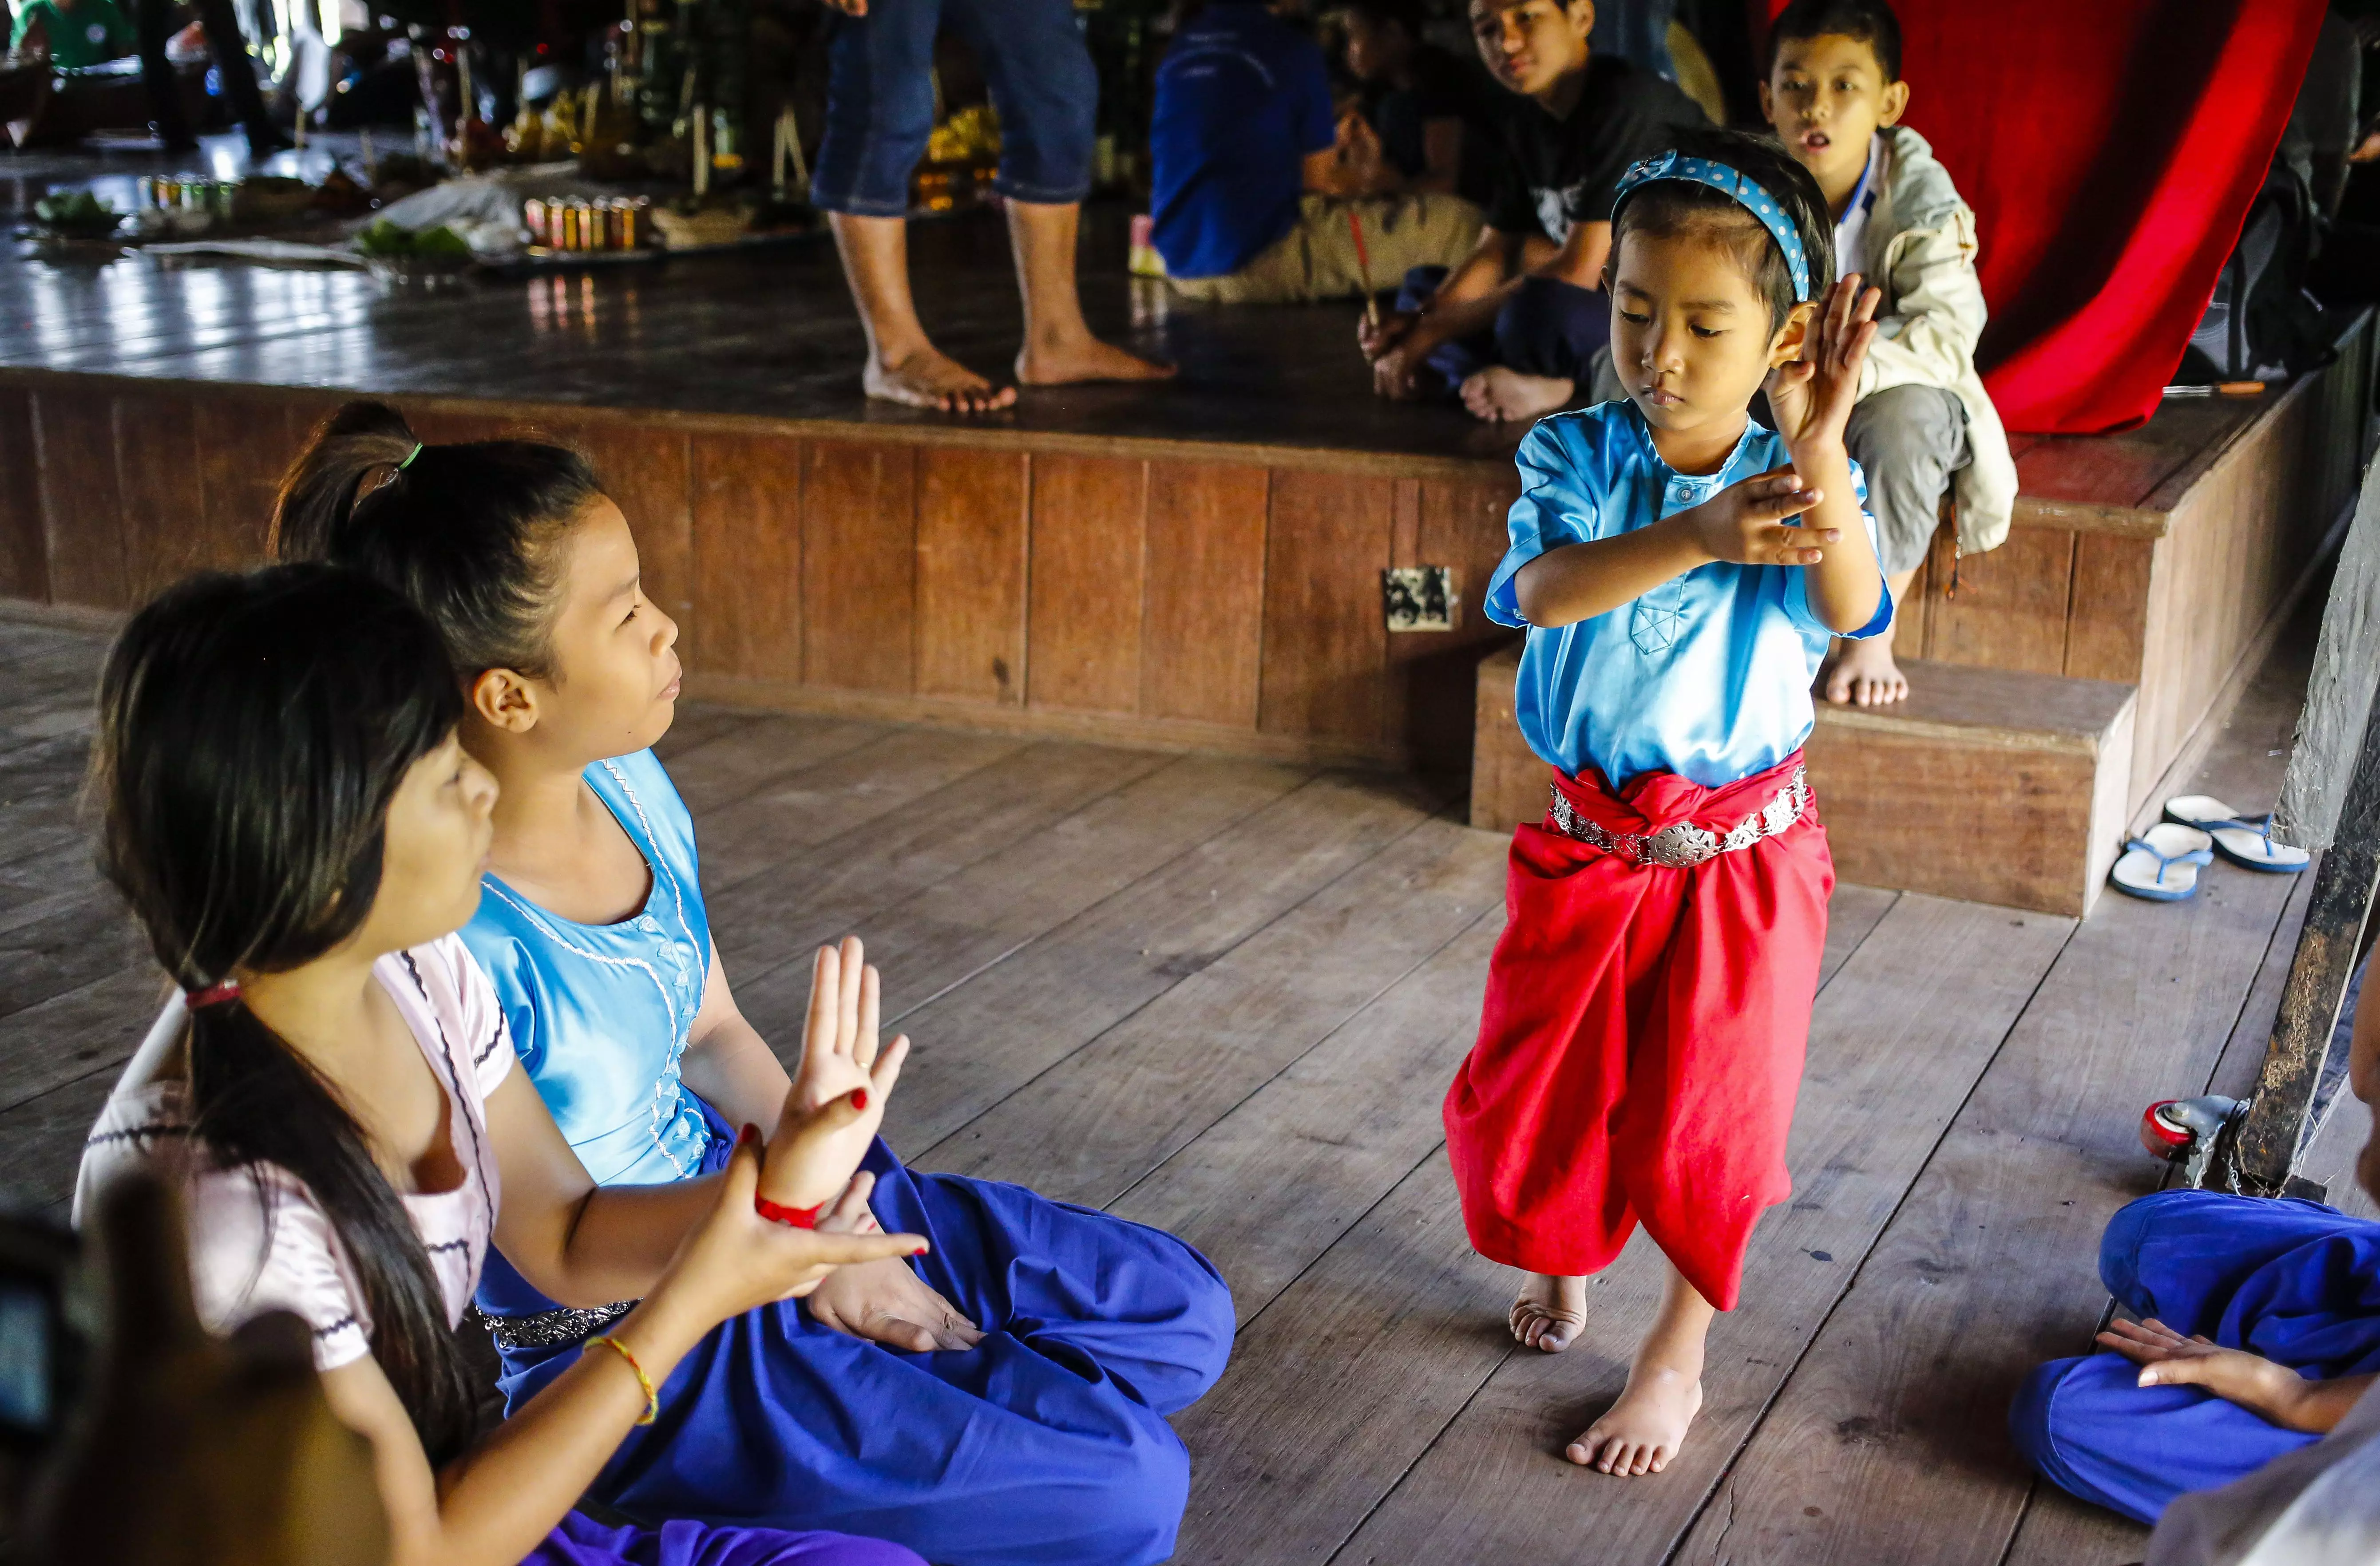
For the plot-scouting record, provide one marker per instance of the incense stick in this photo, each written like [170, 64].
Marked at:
[1363, 266]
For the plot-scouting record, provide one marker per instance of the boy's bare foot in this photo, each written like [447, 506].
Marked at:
[1646, 1427]
[1550, 1312]
[1507, 396]
[1864, 675]
[929, 378]
[1084, 359]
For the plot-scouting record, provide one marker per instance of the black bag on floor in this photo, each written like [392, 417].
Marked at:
[2262, 324]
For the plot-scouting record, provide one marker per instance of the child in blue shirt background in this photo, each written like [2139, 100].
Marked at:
[1681, 572]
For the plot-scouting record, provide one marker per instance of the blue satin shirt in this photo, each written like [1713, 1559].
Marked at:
[601, 1014]
[1708, 675]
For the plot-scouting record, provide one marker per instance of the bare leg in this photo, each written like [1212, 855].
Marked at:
[1644, 1430]
[1549, 1313]
[1059, 347]
[1864, 673]
[903, 366]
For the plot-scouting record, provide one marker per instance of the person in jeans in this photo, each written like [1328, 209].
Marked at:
[879, 111]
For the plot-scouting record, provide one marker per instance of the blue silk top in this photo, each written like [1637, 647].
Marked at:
[1708, 675]
[600, 1013]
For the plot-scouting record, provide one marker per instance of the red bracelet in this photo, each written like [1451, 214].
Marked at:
[777, 1212]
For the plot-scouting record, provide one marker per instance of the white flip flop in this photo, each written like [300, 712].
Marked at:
[2246, 840]
[2162, 863]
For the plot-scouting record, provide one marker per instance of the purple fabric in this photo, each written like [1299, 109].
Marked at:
[580, 1540]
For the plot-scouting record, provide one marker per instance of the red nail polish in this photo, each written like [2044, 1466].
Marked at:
[859, 1097]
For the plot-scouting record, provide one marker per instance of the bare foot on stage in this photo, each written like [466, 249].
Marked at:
[1549, 1313]
[928, 379]
[1646, 1427]
[1083, 358]
[1507, 396]
[1864, 675]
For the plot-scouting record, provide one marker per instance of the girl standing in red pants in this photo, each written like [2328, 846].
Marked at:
[1681, 571]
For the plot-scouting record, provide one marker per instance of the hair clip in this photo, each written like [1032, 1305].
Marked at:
[214, 995]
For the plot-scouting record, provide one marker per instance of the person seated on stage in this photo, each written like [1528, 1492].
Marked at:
[2259, 1335]
[1007, 1400]
[1434, 117]
[1519, 326]
[1835, 95]
[1254, 199]
[879, 112]
[289, 813]
[73, 34]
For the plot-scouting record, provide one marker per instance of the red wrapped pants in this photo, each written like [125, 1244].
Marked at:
[1642, 1040]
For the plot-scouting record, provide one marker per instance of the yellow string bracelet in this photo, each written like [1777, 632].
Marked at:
[652, 1398]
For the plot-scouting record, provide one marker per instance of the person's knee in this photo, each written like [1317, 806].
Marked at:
[1919, 432]
[1048, 118]
[1133, 1517]
[1549, 327]
[1211, 1320]
[2029, 1413]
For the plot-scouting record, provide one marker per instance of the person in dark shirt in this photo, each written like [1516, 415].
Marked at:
[1433, 118]
[1255, 199]
[1518, 326]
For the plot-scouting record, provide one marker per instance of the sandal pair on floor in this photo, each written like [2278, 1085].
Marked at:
[2162, 863]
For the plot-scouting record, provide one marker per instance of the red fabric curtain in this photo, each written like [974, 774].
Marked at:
[2110, 149]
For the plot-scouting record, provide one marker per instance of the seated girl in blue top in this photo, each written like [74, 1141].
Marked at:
[1681, 571]
[1005, 1400]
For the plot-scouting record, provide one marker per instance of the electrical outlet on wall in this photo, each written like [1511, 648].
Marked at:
[1421, 597]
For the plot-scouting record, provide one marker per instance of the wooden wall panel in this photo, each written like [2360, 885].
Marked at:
[2010, 608]
[1324, 648]
[859, 539]
[165, 536]
[82, 506]
[1089, 515]
[244, 447]
[973, 535]
[24, 555]
[1202, 634]
[745, 558]
[1432, 675]
[2106, 627]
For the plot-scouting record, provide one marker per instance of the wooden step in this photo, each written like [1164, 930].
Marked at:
[1988, 784]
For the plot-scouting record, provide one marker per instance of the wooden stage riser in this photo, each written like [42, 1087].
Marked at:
[2170, 600]
[1219, 605]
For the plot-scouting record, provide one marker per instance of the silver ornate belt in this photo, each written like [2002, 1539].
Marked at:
[1682, 846]
[551, 1329]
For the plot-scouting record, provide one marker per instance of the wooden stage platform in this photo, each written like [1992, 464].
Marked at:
[1225, 995]
[1196, 564]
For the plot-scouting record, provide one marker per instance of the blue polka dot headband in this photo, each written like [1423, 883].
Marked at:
[1757, 200]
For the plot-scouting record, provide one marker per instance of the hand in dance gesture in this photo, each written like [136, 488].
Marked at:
[737, 1260]
[809, 1163]
[1812, 396]
[1746, 522]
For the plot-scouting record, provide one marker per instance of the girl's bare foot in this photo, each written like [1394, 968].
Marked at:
[1504, 396]
[1075, 360]
[1550, 1312]
[1646, 1427]
[927, 378]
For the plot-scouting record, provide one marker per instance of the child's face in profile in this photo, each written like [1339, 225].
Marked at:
[433, 850]
[1825, 97]
[615, 665]
[1375, 48]
[1690, 332]
[1531, 44]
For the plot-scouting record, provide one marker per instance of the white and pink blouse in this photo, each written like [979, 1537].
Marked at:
[258, 1240]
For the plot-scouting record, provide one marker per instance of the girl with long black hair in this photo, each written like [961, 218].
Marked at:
[1007, 1400]
[289, 813]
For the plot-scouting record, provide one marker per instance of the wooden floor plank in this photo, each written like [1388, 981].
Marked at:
[1890, 1440]
[1031, 1011]
[83, 936]
[1091, 1126]
[41, 1139]
[1277, 1181]
[959, 926]
[93, 1028]
[821, 889]
[697, 723]
[2058, 1530]
[736, 760]
[1896, 1039]
[1853, 914]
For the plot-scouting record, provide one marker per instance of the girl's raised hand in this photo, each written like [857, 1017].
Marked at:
[1812, 396]
[737, 1260]
[840, 1087]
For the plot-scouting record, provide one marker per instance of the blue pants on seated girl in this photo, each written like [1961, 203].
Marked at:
[2294, 1282]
